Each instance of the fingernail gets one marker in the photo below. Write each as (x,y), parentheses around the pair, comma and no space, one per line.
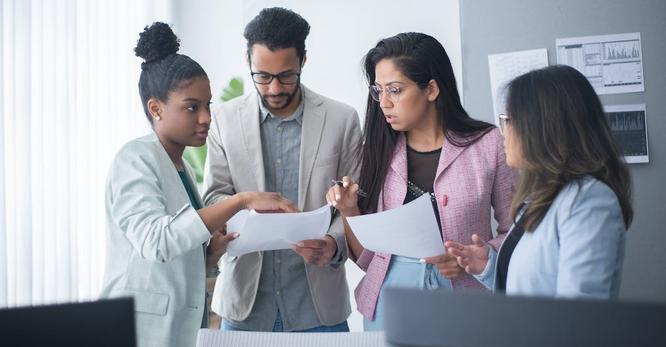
(300,244)
(422,260)
(337,196)
(334,203)
(236,235)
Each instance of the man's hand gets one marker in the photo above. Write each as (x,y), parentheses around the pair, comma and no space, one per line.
(318,251)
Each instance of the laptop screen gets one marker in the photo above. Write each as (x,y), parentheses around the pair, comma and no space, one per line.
(442,318)
(105,323)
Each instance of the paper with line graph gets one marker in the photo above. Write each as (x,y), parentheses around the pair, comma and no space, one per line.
(612,63)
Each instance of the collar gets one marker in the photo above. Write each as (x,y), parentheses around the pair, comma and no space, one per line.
(297,115)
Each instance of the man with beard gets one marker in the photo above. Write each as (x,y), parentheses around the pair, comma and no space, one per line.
(288,139)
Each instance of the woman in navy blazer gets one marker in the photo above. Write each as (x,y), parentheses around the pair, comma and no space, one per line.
(159,235)
(571,205)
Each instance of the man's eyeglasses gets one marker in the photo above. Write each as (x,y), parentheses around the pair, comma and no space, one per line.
(392,92)
(503,121)
(282,77)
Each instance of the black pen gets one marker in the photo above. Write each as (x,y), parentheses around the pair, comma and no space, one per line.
(360,191)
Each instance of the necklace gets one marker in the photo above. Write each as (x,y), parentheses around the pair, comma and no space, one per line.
(414,189)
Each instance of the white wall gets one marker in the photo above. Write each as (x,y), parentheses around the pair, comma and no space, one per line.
(341,34)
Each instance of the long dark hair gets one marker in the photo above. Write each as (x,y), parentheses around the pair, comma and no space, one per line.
(421,58)
(563,134)
(163,69)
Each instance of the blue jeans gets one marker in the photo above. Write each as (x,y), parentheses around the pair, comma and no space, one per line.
(405,272)
(279,327)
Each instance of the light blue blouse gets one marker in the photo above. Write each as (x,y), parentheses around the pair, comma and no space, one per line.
(576,251)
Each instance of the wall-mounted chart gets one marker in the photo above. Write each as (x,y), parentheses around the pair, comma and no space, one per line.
(629,126)
(612,63)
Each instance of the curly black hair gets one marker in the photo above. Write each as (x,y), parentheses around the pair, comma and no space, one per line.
(163,69)
(278,28)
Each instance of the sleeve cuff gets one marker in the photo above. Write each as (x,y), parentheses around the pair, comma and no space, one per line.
(364,259)
(337,257)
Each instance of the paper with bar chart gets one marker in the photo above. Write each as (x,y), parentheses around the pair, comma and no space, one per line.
(612,63)
(629,126)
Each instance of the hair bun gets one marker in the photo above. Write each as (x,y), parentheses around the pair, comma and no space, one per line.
(156,42)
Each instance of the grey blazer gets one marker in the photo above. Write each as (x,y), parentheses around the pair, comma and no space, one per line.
(154,245)
(235,163)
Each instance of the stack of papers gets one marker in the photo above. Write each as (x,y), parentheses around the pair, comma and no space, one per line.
(218,338)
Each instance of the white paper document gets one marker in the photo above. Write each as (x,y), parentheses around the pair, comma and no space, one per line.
(220,338)
(506,66)
(612,63)
(410,230)
(271,231)
(628,124)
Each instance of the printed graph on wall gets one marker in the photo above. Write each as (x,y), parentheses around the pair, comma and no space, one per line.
(629,126)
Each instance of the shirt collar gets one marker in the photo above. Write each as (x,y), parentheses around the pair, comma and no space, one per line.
(297,115)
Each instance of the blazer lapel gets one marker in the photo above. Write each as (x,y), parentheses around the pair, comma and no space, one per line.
(312,131)
(395,186)
(170,174)
(449,154)
(399,160)
(251,136)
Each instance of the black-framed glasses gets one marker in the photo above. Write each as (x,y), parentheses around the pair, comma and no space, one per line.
(392,92)
(283,77)
(503,121)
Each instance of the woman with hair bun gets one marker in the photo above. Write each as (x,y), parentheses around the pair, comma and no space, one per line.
(160,238)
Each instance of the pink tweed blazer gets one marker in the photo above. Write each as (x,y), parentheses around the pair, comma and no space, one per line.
(469,181)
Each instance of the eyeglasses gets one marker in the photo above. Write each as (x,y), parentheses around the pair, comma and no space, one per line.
(392,92)
(282,77)
(503,121)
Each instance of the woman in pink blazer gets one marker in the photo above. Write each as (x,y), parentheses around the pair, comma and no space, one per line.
(418,140)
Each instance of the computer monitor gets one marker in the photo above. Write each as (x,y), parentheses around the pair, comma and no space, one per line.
(104,323)
(442,318)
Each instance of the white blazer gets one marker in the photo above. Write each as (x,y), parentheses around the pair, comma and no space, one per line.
(154,245)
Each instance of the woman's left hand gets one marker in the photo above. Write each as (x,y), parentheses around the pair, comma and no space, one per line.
(218,245)
(447,265)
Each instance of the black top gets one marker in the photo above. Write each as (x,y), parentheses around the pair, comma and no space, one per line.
(504,256)
(421,171)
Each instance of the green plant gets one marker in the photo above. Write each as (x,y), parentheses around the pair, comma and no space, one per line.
(196,156)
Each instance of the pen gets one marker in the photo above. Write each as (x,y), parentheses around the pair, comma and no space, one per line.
(360,191)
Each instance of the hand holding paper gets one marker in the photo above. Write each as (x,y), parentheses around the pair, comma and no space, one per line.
(410,230)
(271,231)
